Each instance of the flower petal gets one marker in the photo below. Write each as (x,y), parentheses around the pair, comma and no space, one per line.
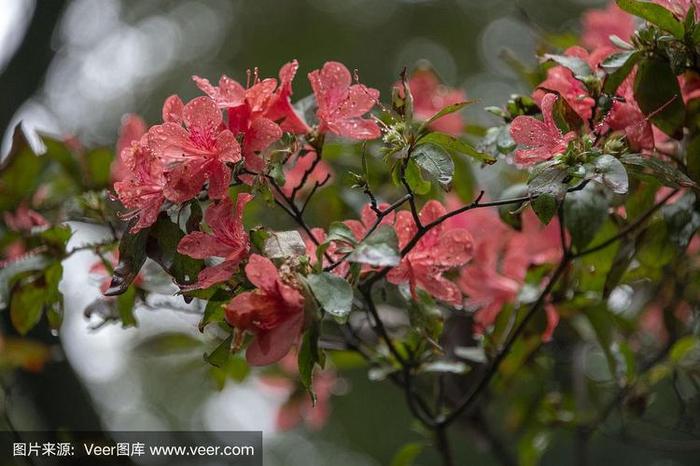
(272,345)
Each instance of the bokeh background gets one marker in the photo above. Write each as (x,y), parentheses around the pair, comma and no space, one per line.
(74,68)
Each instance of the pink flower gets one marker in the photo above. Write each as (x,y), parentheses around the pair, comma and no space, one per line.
(690,85)
(334,251)
(438,251)
(141,190)
(24,219)
(483,280)
(228,240)
(535,244)
(430,96)
(680,7)
(298,407)
(502,256)
(296,167)
(561,80)
(280,107)
(246,114)
(194,148)
(368,218)
(626,116)
(542,139)
(132,129)
(341,105)
(600,24)
(274,313)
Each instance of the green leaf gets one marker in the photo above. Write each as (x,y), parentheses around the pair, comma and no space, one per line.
(585,212)
(548,178)
(407,455)
(214,311)
(284,244)
(415,179)
(379,249)
(333,293)
(26,306)
(693,157)
(610,172)
(682,348)
(161,246)
(446,111)
(665,172)
(15,268)
(511,213)
(169,343)
(453,144)
(20,172)
(132,255)
(578,66)
(654,246)
(655,14)
(544,206)
(618,67)
(658,94)
(436,162)
(221,354)
(125,307)
(682,220)
(309,355)
(98,163)
(339,231)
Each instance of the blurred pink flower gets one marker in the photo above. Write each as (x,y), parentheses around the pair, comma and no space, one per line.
(24,219)
(430,96)
(561,81)
(600,24)
(626,116)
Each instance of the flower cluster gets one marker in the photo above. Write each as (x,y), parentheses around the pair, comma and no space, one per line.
(201,142)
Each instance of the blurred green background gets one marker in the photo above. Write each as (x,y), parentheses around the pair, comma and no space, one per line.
(74,68)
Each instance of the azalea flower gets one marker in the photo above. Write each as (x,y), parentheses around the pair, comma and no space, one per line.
(296,167)
(430,96)
(280,109)
(368,217)
(438,251)
(194,148)
(484,282)
(680,7)
(501,259)
(141,190)
(625,115)
(600,24)
(341,105)
(132,130)
(273,312)
(246,110)
(24,219)
(228,240)
(334,251)
(561,80)
(542,139)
